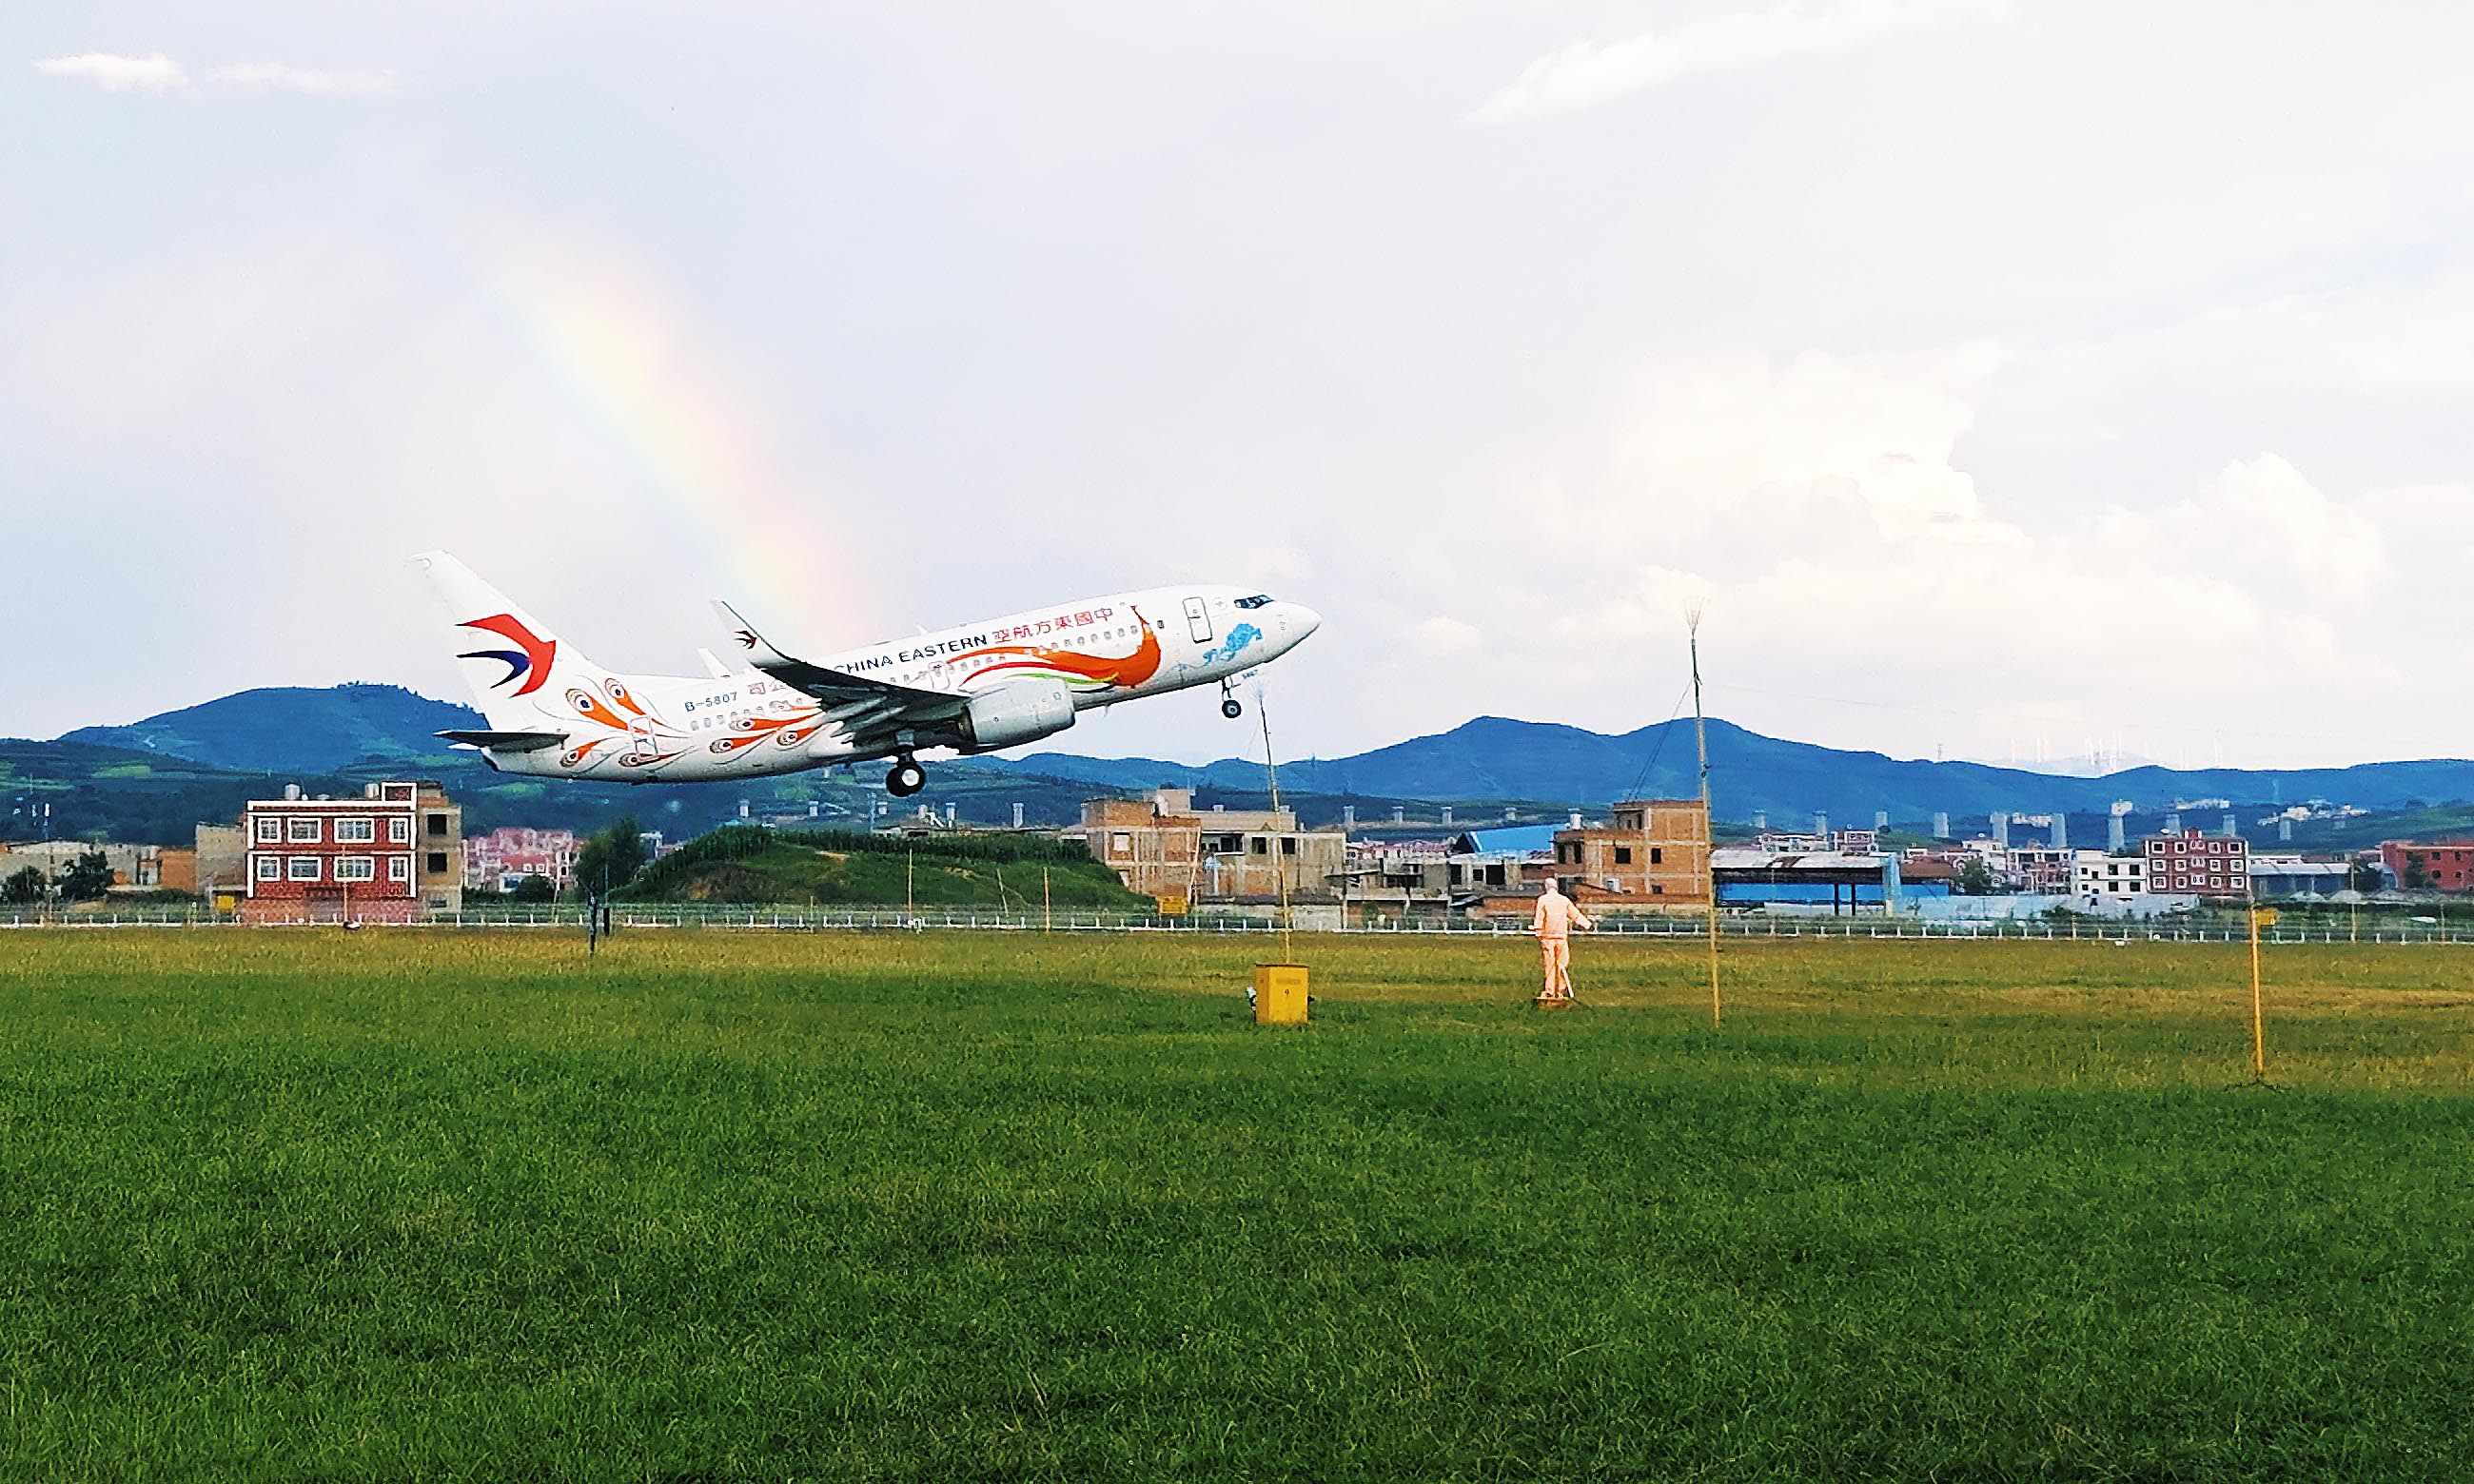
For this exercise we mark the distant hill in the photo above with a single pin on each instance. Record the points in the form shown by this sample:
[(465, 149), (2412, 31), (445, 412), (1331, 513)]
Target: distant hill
[(294, 729), (137, 781), (1497, 759)]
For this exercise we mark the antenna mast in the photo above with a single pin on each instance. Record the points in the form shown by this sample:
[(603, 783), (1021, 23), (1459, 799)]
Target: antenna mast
[(1709, 828)]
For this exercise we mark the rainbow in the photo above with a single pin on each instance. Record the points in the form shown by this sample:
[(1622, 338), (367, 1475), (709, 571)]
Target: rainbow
[(635, 372)]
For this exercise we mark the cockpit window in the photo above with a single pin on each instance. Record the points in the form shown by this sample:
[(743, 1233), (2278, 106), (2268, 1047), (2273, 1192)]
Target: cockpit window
[(1258, 600)]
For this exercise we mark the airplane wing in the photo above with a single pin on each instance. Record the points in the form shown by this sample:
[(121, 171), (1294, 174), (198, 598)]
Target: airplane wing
[(506, 741), (874, 714)]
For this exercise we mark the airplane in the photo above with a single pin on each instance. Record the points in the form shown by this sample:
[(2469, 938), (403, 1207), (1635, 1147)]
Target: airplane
[(977, 688)]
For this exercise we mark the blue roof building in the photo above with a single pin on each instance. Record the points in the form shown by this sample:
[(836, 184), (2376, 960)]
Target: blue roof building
[(1506, 840)]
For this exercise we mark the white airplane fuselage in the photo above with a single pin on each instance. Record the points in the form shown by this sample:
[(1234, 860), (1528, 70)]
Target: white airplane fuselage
[(1013, 678)]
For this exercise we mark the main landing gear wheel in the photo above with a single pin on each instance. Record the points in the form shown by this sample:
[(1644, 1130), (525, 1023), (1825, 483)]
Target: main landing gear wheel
[(905, 779)]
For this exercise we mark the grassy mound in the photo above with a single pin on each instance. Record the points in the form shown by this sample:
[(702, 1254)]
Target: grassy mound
[(753, 866)]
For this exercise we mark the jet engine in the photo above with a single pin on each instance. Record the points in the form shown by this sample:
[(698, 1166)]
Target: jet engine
[(1017, 712)]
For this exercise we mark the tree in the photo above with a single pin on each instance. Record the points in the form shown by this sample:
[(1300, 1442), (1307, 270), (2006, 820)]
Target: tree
[(2366, 877), (1976, 878), (2417, 873), (24, 888), (611, 858), (534, 888), (87, 877)]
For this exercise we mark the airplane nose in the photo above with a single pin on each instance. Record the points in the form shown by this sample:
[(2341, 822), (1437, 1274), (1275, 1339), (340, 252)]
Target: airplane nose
[(1303, 620)]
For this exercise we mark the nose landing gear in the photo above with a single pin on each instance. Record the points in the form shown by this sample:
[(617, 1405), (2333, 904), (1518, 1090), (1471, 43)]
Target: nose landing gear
[(905, 777), (1230, 706)]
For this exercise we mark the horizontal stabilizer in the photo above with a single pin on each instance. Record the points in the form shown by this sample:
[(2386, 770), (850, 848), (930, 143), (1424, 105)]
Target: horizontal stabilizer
[(506, 741)]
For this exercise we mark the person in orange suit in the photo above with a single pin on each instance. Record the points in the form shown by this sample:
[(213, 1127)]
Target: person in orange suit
[(1557, 915)]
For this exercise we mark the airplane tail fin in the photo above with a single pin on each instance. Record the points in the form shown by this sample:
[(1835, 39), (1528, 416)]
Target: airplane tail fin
[(524, 677)]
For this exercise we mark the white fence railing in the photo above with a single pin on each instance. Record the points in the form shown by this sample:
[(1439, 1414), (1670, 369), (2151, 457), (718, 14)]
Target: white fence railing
[(988, 920)]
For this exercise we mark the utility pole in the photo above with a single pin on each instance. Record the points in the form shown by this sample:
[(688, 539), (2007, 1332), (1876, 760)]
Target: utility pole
[(1279, 856), (2258, 1031), (1709, 827)]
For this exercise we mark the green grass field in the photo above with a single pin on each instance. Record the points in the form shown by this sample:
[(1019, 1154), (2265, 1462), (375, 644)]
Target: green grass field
[(389, 1204)]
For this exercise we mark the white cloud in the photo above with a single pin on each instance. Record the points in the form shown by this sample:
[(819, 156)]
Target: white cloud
[(118, 74), (1827, 509), (1445, 635), (1590, 73), (2261, 516), (1862, 444), (324, 81), (158, 73)]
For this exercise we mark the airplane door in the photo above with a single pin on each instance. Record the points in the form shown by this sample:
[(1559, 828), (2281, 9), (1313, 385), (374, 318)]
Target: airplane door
[(1198, 621), (641, 742)]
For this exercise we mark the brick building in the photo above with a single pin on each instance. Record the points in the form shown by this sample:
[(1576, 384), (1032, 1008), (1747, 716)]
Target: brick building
[(2037, 868), (1164, 846), (1654, 853), (139, 866), (2196, 865), (2430, 865), (497, 861), (2098, 874), (394, 854), (221, 869)]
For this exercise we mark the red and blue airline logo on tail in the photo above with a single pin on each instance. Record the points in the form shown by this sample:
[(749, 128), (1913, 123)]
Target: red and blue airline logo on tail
[(530, 663)]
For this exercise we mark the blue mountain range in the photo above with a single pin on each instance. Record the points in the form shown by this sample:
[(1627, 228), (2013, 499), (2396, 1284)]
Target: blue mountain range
[(1491, 759)]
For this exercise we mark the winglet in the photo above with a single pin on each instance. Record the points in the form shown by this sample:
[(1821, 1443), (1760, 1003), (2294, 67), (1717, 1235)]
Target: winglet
[(760, 652)]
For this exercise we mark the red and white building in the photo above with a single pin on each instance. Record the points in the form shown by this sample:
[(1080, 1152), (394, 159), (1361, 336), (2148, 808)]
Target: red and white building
[(2430, 865), (394, 854), (496, 862), (2198, 865)]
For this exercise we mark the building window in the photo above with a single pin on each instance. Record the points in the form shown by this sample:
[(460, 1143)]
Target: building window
[(1658, 856), (398, 830), (305, 867), (1260, 846), (356, 831), (438, 827), (398, 868), (270, 867), (270, 829), (1288, 844), (1122, 843), (303, 831), (437, 863), (1623, 855), (356, 868)]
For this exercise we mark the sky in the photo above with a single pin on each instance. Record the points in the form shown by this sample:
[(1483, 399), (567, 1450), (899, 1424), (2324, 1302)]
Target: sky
[(2009, 380)]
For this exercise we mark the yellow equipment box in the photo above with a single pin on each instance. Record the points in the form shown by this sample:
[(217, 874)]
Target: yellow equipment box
[(1280, 994)]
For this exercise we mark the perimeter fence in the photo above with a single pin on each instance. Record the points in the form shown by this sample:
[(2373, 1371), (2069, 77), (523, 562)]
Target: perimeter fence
[(796, 919)]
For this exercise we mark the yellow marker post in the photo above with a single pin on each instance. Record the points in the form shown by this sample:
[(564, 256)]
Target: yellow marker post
[(1280, 994), (1279, 989)]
